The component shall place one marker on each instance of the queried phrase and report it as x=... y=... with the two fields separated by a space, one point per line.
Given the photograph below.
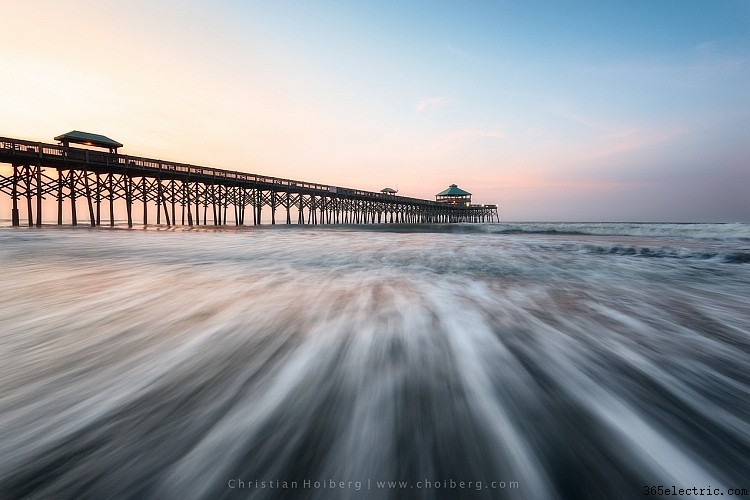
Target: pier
x=174 y=193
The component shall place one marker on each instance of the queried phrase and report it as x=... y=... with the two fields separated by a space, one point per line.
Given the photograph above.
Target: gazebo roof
x=454 y=190
x=388 y=191
x=78 y=137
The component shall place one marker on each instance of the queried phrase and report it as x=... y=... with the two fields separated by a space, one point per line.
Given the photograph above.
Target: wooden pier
x=176 y=193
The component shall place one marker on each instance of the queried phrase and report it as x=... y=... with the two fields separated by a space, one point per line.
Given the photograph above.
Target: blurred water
x=577 y=361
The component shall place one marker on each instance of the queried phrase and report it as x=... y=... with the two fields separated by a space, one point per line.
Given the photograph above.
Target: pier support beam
x=14 y=211
x=163 y=201
x=98 y=199
x=72 y=181
x=223 y=204
x=172 y=200
x=273 y=208
x=159 y=196
x=129 y=199
x=111 y=196
x=288 y=205
x=59 y=197
x=188 y=204
x=92 y=216
x=301 y=215
x=28 y=177
x=38 y=195
x=144 y=188
x=182 y=202
x=213 y=203
x=197 y=205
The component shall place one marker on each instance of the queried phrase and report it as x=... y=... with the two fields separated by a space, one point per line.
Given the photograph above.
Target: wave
x=725 y=243
x=369 y=246
x=718 y=255
x=738 y=232
x=734 y=231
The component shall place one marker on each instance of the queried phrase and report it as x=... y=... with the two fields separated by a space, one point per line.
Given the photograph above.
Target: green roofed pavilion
x=87 y=139
x=454 y=195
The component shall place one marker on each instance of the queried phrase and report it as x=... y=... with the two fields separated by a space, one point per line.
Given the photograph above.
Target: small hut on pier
x=88 y=139
x=454 y=195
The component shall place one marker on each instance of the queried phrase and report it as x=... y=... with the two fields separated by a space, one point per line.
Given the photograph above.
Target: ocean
x=522 y=361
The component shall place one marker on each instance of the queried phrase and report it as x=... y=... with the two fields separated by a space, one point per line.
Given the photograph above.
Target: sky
x=556 y=111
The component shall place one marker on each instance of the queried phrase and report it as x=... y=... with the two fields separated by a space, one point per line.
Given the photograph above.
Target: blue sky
x=554 y=110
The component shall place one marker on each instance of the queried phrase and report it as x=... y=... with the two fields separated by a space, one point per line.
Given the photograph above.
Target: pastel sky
x=557 y=111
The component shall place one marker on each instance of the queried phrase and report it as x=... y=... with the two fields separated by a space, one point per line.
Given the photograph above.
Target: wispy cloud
x=569 y=111
x=636 y=138
x=708 y=62
x=463 y=54
x=461 y=138
x=432 y=104
x=707 y=47
x=477 y=133
x=459 y=52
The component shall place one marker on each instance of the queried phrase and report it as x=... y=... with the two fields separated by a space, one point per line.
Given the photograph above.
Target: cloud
x=432 y=104
x=476 y=133
x=626 y=140
x=463 y=54
x=458 y=140
x=707 y=47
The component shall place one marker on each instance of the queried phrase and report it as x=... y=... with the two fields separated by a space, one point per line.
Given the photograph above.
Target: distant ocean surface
x=523 y=361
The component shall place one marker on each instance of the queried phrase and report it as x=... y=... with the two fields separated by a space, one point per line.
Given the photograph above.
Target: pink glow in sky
x=591 y=111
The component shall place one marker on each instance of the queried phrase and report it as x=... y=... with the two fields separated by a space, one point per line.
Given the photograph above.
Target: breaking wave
x=728 y=231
